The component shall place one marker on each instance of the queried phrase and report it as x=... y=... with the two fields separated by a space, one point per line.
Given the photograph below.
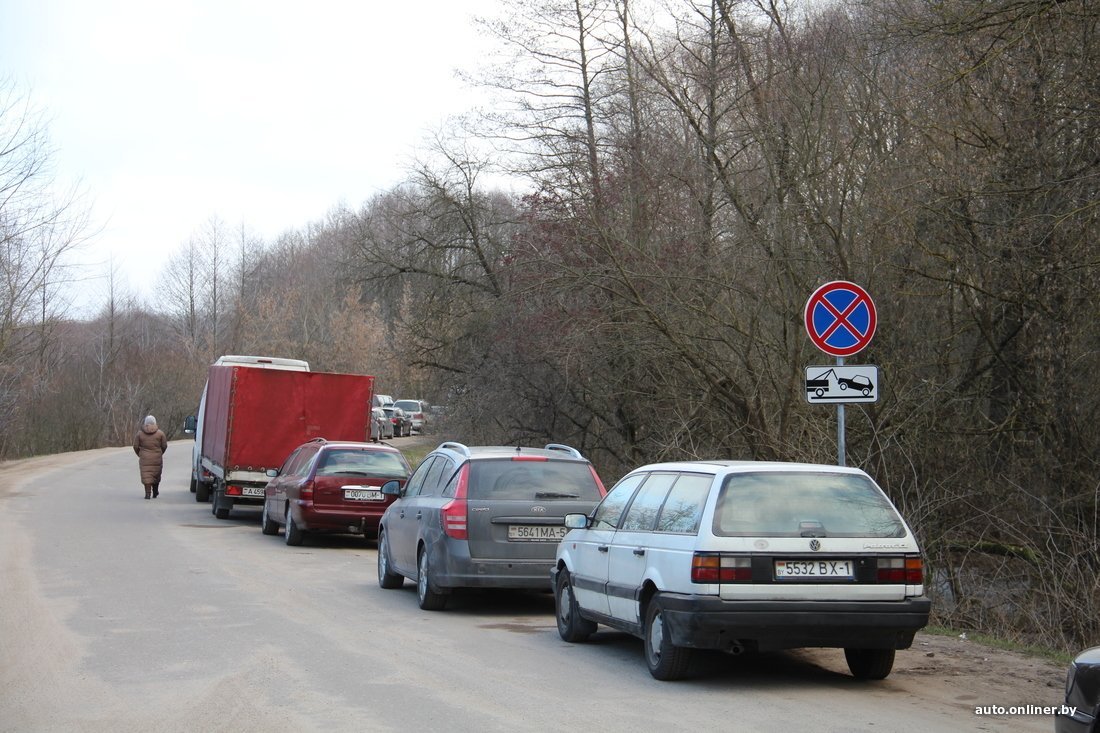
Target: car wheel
x=193 y=484
x=387 y=579
x=202 y=491
x=293 y=534
x=843 y=386
x=267 y=526
x=428 y=597
x=870 y=664
x=571 y=626
x=665 y=661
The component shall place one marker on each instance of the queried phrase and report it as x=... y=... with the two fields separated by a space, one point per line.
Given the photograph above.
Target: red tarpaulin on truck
x=256 y=417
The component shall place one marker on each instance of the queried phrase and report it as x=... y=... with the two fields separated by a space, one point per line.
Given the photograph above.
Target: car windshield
x=408 y=405
x=800 y=504
x=353 y=462
x=532 y=480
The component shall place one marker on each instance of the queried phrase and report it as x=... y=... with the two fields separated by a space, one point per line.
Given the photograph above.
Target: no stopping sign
x=840 y=318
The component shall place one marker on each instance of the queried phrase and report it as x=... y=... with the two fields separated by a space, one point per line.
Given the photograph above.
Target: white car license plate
x=535 y=533
x=794 y=569
x=252 y=491
x=363 y=494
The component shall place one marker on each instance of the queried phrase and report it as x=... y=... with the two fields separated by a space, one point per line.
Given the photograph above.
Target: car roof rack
x=457 y=447
x=318 y=440
x=564 y=449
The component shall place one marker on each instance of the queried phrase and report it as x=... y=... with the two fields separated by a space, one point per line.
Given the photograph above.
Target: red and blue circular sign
x=840 y=318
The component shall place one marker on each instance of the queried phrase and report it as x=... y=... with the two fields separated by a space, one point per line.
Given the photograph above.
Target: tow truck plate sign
x=833 y=384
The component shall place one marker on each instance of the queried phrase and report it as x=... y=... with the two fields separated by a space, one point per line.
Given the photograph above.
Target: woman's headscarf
x=150 y=422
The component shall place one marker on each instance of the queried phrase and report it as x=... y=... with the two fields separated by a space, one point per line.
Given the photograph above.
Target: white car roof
x=727 y=467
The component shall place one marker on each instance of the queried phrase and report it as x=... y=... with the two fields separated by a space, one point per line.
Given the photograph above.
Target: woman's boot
x=156 y=490
x=148 y=492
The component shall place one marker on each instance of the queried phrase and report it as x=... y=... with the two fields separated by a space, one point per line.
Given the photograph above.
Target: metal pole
x=840 y=424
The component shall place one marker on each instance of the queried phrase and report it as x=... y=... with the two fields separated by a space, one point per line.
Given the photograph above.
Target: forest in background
x=678 y=181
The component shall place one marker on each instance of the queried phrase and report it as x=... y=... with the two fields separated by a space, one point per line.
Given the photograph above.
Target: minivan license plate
x=794 y=569
x=363 y=494
x=535 y=533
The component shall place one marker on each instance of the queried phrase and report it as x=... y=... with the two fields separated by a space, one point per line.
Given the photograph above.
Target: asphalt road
x=120 y=614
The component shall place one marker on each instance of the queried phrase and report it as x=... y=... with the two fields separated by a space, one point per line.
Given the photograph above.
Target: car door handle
x=639 y=552
x=418 y=516
x=401 y=514
x=602 y=548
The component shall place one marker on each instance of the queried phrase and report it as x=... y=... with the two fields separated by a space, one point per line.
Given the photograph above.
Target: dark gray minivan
x=479 y=517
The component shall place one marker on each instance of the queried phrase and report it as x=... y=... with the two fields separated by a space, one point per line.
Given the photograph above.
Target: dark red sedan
x=328 y=486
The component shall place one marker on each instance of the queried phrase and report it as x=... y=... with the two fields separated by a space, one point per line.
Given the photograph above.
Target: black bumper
x=711 y=623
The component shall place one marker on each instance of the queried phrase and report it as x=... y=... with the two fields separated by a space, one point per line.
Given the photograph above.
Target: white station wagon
x=744 y=556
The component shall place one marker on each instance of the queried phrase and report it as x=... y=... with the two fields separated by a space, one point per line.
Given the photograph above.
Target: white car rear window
x=801 y=504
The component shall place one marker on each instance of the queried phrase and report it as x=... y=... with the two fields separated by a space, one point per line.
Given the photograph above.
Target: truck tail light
x=908 y=570
x=454 y=513
x=709 y=567
x=232 y=490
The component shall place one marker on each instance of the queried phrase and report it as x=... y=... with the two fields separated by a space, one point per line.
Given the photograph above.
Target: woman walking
x=149 y=445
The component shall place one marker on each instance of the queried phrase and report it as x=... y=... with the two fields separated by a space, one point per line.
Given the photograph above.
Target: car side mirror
x=189 y=424
x=392 y=488
x=272 y=472
x=576 y=521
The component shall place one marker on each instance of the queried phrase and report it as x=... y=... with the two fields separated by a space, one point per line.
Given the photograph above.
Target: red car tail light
x=453 y=512
x=715 y=568
x=596 y=478
x=306 y=492
x=908 y=570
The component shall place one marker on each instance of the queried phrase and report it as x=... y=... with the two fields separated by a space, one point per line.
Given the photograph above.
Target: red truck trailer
x=254 y=418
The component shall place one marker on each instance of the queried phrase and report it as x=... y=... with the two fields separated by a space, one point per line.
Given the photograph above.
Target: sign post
x=840 y=320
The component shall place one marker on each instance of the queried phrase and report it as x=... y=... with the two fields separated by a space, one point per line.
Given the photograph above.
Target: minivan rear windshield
x=799 y=504
x=532 y=480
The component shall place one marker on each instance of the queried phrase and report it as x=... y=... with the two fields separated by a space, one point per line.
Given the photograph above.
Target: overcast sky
x=266 y=113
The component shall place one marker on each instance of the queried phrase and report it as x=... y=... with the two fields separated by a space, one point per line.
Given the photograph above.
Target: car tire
x=267 y=525
x=202 y=492
x=870 y=664
x=572 y=627
x=428 y=597
x=386 y=579
x=193 y=484
x=293 y=534
x=664 y=660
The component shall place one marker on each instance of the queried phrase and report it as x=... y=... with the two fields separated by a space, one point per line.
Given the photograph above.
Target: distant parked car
x=1081 y=711
x=418 y=413
x=402 y=423
x=744 y=556
x=482 y=517
x=382 y=427
x=331 y=487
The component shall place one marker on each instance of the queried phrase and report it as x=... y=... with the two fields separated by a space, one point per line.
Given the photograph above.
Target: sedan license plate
x=535 y=533
x=797 y=569
x=363 y=494
x=252 y=491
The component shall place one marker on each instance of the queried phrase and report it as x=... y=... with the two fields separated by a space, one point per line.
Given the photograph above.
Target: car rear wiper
x=555 y=495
